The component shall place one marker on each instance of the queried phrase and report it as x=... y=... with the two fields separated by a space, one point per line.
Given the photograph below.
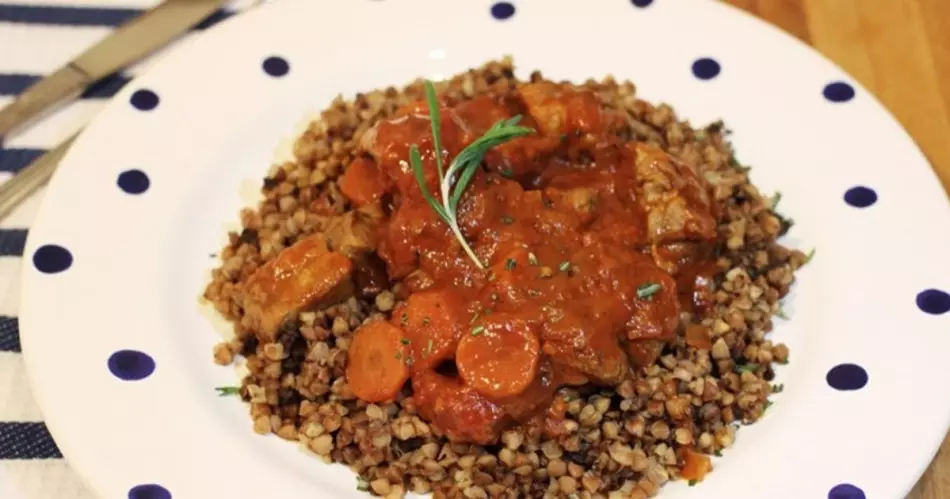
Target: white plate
x=138 y=262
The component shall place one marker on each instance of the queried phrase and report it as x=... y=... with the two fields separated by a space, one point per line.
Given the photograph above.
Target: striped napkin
x=37 y=37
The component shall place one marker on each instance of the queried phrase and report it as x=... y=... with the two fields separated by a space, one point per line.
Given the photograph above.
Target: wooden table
x=900 y=51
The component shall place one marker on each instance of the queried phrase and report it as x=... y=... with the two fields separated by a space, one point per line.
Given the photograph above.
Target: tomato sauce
x=592 y=245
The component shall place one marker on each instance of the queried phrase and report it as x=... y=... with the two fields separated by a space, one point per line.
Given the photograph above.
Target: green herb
x=474 y=317
x=404 y=319
x=507 y=220
x=750 y=367
x=477 y=330
x=361 y=484
x=507 y=172
x=564 y=266
x=405 y=341
x=398 y=355
x=647 y=290
x=224 y=391
x=532 y=259
x=773 y=201
x=768 y=403
x=809 y=255
x=510 y=263
x=780 y=313
x=785 y=224
x=454 y=179
x=693 y=482
x=426 y=320
x=779 y=388
x=717 y=453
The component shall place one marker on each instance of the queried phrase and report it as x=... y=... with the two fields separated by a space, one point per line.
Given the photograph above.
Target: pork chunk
x=304 y=275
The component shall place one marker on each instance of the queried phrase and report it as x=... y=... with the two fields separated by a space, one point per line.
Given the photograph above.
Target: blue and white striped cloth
x=37 y=37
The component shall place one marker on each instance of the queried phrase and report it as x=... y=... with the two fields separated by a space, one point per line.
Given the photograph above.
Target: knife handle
x=64 y=83
x=18 y=188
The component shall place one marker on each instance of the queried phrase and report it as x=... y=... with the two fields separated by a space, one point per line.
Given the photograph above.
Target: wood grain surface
x=900 y=51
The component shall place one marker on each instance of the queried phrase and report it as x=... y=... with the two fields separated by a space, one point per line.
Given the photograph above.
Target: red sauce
x=593 y=244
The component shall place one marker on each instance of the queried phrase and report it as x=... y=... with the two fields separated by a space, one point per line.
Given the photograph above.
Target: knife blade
x=129 y=43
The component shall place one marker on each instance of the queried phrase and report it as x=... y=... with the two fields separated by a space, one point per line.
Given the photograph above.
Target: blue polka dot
x=847 y=377
x=131 y=365
x=860 y=196
x=52 y=259
x=838 y=91
x=276 y=66
x=144 y=100
x=641 y=3
x=502 y=10
x=933 y=301
x=845 y=491
x=706 y=68
x=133 y=181
x=149 y=491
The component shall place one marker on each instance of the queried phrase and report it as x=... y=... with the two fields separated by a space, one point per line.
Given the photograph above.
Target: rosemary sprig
x=455 y=179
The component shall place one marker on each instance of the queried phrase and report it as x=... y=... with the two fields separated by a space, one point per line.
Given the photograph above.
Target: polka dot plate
x=119 y=350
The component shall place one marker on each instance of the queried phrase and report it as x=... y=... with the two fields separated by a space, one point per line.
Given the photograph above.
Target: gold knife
x=129 y=43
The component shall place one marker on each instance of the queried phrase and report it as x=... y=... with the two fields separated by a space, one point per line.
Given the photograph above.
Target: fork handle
x=17 y=189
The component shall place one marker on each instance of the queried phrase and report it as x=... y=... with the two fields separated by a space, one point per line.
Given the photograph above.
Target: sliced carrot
x=376 y=363
x=362 y=183
x=432 y=321
x=499 y=356
x=695 y=465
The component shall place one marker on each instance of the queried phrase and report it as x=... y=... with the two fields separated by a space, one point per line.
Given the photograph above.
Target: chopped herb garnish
x=647 y=290
x=773 y=201
x=506 y=172
x=768 y=403
x=750 y=367
x=564 y=266
x=426 y=320
x=224 y=391
x=455 y=179
x=398 y=355
x=477 y=330
x=532 y=259
x=510 y=263
x=693 y=482
x=361 y=484
x=780 y=313
x=779 y=388
x=809 y=255
x=405 y=341
x=475 y=317
x=507 y=220
x=717 y=453
x=785 y=224
x=404 y=319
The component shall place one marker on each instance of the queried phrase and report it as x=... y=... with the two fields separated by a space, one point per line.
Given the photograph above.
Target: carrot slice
x=432 y=322
x=376 y=367
x=499 y=356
